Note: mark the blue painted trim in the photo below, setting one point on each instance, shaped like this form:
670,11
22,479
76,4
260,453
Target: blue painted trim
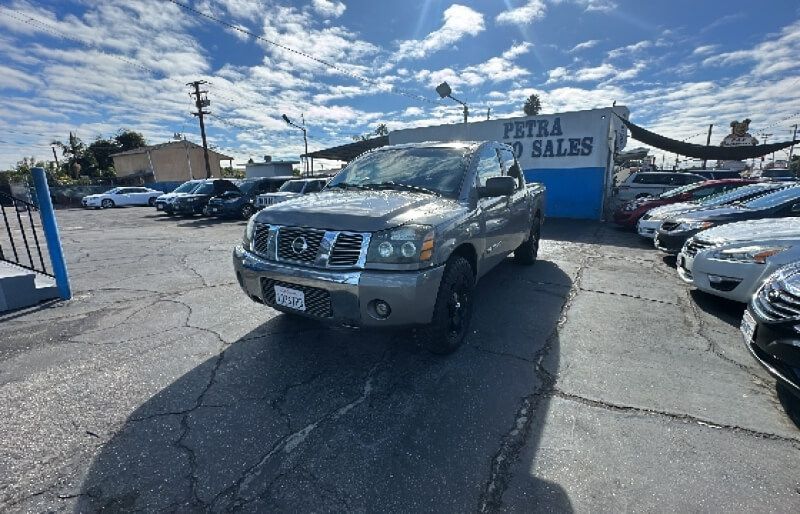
50,227
571,192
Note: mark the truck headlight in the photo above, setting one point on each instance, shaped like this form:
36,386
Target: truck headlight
756,254
407,244
249,231
694,225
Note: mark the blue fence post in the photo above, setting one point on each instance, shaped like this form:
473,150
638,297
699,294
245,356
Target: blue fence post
50,228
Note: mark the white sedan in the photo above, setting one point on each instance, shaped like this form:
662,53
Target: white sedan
120,196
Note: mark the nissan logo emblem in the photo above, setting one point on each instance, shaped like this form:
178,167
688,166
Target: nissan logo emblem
774,294
299,245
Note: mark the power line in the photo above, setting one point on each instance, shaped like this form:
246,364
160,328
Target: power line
324,62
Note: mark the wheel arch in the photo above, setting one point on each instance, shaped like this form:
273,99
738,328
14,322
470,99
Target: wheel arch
467,251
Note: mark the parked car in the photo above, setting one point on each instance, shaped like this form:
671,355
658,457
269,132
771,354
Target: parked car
122,196
771,327
627,215
648,224
652,183
291,189
164,202
196,201
398,238
778,175
673,232
241,203
733,260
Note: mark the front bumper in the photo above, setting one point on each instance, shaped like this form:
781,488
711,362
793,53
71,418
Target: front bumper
224,210
778,351
187,208
648,228
92,202
735,281
411,295
672,243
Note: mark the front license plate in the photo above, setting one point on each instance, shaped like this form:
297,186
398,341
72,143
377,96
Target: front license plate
291,298
159,207
214,209
748,326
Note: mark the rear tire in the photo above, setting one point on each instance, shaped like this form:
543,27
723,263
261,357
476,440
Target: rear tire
452,312
528,251
107,203
151,202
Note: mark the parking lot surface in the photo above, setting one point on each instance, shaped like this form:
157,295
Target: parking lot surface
592,381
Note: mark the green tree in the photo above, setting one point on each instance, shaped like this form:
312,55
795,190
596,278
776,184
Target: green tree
382,130
128,140
102,149
532,105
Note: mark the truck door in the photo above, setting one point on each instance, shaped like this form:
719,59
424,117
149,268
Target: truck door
519,206
493,212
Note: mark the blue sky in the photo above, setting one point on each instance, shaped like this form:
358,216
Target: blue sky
677,65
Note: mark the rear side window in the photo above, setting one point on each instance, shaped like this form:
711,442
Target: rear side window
653,178
511,166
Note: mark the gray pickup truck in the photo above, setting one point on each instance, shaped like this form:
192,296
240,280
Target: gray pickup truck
398,238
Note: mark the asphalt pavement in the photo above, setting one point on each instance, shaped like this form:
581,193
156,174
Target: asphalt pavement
594,380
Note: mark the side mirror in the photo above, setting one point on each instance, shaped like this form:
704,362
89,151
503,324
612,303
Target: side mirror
497,186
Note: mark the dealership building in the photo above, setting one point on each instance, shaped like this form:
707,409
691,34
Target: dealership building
571,153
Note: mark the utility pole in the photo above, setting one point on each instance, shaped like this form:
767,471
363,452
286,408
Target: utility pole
201,101
708,141
791,148
766,138
58,165
488,112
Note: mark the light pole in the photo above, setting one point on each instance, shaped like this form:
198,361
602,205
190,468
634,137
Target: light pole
305,140
445,92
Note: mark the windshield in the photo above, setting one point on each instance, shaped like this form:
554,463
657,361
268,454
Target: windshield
205,188
112,191
439,170
778,173
246,187
677,191
185,187
773,199
293,186
732,195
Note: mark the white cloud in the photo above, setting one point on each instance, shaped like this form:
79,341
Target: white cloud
459,21
704,49
329,8
594,73
629,49
495,70
591,5
533,10
584,46
771,56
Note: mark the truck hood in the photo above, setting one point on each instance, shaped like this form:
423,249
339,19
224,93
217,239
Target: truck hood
359,211
777,228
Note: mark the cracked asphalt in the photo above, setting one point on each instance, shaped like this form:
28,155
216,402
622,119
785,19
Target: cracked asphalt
592,381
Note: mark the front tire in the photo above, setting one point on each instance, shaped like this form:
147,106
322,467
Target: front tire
247,211
107,203
151,202
528,251
452,312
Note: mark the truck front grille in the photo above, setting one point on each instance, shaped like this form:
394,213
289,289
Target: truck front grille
346,249
318,301
261,239
299,244
776,302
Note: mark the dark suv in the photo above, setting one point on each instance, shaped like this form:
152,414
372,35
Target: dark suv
197,201
241,203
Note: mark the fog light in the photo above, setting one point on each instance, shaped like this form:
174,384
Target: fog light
382,309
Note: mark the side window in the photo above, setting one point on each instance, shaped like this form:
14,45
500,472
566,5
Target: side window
511,166
641,179
488,165
313,187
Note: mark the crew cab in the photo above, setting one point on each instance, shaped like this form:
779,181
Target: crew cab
291,189
399,237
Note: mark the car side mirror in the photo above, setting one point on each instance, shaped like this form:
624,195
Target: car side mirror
497,186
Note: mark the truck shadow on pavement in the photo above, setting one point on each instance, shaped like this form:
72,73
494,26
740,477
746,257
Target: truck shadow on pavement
296,416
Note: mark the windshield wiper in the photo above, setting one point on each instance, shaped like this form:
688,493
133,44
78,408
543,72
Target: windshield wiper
404,187
346,185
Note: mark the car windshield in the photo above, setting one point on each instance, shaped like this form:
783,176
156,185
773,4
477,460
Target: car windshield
112,191
294,186
677,191
732,195
773,199
438,170
206,188
246,187
185,187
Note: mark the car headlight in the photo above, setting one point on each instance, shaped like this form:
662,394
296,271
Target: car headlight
250,230
695,225
757,254
407,244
